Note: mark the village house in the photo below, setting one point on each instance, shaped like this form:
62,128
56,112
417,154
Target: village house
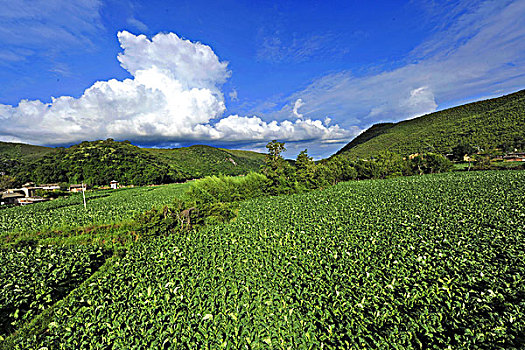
50,187
514,157
77,188
114,184
10,198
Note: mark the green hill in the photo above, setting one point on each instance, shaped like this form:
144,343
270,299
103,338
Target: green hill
488,124
99,162
20,150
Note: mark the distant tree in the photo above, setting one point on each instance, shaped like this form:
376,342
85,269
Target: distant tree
430,163
305,169
6,182
462,150
278,171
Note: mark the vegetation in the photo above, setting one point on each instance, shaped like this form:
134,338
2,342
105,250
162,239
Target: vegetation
99,162
495,123
35,277
425,262
103,208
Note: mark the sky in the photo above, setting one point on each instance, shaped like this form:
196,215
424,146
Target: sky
238,74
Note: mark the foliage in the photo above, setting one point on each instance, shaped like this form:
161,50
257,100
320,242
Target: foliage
386,164
425,262
99,162
213,189
279,172
6,182
430,163
35,277
305,170
103,207
495,123
461,150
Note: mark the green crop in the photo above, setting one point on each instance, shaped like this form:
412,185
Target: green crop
34,278
433,261
103,207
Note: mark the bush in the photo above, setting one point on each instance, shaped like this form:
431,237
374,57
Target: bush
214,189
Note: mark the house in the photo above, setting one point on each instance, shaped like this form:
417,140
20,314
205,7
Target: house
50,187
31,200
114,184
11,197
514,157
77,188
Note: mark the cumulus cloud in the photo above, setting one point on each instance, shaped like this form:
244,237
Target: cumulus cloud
174,95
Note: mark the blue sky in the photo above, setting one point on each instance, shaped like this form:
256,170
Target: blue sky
237,74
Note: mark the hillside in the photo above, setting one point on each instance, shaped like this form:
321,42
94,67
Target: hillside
21,150
488,124
201,160
99,162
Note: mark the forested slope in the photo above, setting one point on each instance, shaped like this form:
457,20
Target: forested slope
99,162
488,124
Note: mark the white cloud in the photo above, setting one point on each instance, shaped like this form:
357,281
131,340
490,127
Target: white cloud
174,95
275,47
132,21
234,96
27,25
298,104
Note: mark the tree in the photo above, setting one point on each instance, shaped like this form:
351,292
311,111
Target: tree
305,169
463,149
277,169
6,182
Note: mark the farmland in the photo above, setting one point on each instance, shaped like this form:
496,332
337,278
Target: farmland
103,207
34,278
434,261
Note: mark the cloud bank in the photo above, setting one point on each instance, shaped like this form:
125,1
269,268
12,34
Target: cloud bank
174,95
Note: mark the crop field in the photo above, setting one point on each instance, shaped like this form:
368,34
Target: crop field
433,261
34,278
103,207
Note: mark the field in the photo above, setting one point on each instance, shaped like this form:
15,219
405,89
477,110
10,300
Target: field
434,261
103,207
34,278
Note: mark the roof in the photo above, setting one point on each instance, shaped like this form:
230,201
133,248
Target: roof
12,195
113,181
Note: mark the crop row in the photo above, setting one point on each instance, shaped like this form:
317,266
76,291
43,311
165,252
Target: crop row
103,207
34,278
424,262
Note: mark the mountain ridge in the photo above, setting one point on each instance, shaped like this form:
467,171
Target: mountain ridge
493,123
98,162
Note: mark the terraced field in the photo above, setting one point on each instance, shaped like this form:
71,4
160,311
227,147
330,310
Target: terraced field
421,262
103,207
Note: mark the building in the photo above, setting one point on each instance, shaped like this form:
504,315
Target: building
31,200
11,197
114,184
50,187
514,157
77,188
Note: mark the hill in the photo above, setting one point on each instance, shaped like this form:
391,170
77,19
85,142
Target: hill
20,150
488,124
98,162
201,160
